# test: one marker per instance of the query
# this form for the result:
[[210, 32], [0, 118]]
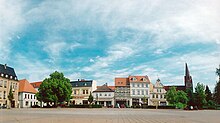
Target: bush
[[180, 105]]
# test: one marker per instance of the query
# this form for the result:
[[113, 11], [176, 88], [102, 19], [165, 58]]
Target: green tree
[[56, 89], [200, 95], [217, 88], [208, 93], [182, 97], [191, 97], [171, 96], [90, 99], [10, 96]]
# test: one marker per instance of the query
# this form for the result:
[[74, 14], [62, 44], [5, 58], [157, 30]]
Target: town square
[[113, 61], [108, 116]]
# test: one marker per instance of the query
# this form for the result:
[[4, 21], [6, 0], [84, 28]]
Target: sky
[[104, 39]]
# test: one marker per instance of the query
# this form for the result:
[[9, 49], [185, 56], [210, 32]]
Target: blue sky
[[101, 40]]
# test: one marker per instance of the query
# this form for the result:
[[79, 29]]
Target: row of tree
[[202, 96]]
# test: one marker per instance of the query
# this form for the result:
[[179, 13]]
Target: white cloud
[[11, 21], [55, 46]]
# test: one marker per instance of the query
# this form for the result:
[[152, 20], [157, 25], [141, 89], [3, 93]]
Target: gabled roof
[[121, 82], [4, 69], [25, 86], [103, 88], [139, 79], [36, 84]]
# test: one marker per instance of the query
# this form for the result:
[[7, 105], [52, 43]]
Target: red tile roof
[[139, 79], [25, 86], [121, 82], [36, 84]]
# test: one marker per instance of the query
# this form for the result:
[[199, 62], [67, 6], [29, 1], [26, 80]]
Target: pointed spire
[[187, 71]]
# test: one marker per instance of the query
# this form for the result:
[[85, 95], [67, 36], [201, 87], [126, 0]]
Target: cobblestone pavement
[[107, 116]]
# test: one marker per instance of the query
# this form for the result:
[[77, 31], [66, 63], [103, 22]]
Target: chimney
[[5, 66]]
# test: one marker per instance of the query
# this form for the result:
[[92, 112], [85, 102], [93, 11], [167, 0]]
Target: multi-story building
[[81, 90], [8, 79], [27, 93], [122, 92], [139, 89], [157, 95], [104, 95]]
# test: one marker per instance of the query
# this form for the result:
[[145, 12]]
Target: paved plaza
[[107, 116]]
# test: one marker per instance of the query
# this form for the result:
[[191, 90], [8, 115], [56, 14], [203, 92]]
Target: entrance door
[[13, 104]]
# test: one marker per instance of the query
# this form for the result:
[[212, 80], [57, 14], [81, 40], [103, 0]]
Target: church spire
[[187, 71]]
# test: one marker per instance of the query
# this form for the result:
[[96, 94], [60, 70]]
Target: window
[[0, 94], [146, 92], [100, 94], [105, 94], [28, 96], [1, 83], [25, 96], [87, 91], [26, 103], [147, 85], [133, 92], [109, 95], [31, 96], [84, 91], [74, 92], [156, 96], [138, 85], [161, 96], [4, 95], [153, 96], [142, 84], [5, 84], [133, 85], [142, 92], [138, 92]]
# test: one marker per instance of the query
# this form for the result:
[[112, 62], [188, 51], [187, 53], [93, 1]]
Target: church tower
[[188, 79]]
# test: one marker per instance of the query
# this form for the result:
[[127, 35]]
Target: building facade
[[139, 90], [104, 96], [27, 93], [8, 79], [157, 95], [122, 92], [81, 90]]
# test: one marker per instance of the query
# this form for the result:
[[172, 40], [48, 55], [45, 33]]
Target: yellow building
[[81, 90], [8, 79]]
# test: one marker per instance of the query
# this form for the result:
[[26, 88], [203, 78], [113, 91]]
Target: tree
[[10, 96], [171, 95], [56, 89], [208, 93], [217, 88], [182, 97], [90, 99], [200, 95], [191, 97]]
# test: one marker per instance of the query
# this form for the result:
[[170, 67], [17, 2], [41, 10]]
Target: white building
[[157, 95], [104, 96], [26, 96], [139, 89], [81, 90]]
